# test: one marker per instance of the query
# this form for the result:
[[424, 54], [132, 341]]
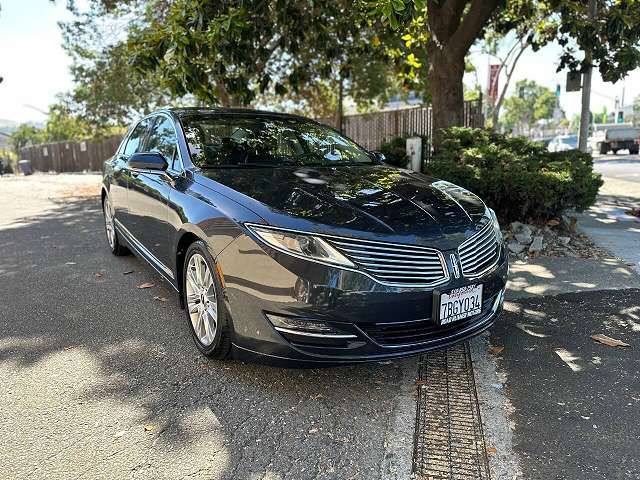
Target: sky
[[35, 67]]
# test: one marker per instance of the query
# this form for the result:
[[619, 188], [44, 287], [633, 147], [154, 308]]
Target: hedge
[[516, 177]]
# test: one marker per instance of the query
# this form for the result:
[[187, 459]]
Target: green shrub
[[519, 179], [395, 152]]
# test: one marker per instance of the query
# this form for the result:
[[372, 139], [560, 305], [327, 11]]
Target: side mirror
[[148, 161], [379, 156]]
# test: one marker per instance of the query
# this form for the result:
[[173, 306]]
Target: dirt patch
[[80, 191]]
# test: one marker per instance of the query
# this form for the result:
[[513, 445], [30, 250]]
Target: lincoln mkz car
[[290, 244]]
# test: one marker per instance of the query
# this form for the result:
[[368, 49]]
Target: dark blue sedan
[[287, 242]]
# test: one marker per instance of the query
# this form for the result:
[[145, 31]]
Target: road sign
[[574, 82]]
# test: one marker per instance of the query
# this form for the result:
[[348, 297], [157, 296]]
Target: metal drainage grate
[[449, 443]]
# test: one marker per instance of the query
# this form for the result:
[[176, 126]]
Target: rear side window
[[162, 138], [136, 139]]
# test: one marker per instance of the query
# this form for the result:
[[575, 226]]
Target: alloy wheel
[[109, 225], [202, 302]]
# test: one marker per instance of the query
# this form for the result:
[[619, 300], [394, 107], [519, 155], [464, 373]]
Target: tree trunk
[[447, 94], [453, 27]]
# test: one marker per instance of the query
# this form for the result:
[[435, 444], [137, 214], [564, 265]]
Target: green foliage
[[395, 152], [25, 135], [61, 126], [108, 92], [529, 103], [519, 179]]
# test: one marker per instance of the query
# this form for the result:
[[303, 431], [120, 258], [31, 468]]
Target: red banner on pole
[[494, 74]]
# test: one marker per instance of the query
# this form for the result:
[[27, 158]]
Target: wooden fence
[[370, 130], [71, 156]]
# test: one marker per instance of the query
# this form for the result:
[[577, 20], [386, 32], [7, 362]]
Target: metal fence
[[370, 130], [71, 156]]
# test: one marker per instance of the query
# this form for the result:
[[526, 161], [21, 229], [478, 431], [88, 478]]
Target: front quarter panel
[[212, 217]]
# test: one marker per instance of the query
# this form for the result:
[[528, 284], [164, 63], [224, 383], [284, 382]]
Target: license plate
[[460, 303]]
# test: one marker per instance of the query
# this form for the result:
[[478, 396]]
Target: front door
[[121, 175], [148, 198]]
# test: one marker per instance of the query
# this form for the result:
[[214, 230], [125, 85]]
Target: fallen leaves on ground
[[492, 450], [149, 427], [496, 350], [161, 299], [99, 274], [553, 223], [145, 285], [611, 342]]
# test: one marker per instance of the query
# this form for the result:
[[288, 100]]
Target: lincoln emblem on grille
[[454, 264]]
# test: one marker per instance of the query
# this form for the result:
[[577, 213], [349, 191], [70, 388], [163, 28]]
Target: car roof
[[188, 111]]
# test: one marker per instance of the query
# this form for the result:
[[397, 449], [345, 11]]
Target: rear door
[[148, 197]]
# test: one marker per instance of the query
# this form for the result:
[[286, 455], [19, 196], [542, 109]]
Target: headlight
[[301, 245], [496, 225]]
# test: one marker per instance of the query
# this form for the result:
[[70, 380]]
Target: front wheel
[[202, 295]]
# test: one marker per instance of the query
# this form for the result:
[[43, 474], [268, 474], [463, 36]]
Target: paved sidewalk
[[609, 224]]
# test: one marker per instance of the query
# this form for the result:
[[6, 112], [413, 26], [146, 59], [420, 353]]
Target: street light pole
[[586, 89]]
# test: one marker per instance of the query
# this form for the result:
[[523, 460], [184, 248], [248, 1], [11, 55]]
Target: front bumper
[[381, 322]]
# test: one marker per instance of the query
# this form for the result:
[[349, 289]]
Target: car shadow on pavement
[[99, 375]]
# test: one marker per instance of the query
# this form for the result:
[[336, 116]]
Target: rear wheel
[[110, 229], [202, 295], [634, 150]]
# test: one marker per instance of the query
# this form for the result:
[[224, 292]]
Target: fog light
[[305, 327]]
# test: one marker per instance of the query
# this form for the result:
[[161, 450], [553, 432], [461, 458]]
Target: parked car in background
[[616, 136], [562, 143], [288, 242]]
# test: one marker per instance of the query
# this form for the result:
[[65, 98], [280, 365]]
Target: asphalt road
[[575, 402], [621, 166], [100, 379]]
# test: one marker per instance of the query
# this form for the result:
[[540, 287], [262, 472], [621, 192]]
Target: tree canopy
[[530, 103], [242, 52]]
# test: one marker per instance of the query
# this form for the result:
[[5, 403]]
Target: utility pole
[[340, 107], [586, 88]]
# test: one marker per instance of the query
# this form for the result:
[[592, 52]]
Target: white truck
[[615, 136]]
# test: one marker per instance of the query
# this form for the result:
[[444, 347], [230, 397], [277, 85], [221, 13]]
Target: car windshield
[[241, 141]]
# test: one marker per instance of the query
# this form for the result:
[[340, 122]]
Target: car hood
[[376, 202]]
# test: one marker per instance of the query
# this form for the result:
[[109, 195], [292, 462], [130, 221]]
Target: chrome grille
[[479, 253], [394, 264]]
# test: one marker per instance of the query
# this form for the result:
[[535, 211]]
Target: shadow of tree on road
[[100, 376]]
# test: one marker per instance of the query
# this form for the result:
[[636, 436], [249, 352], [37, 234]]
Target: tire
[[604, 148], [205, 310], [634, 150], [615, 151], [113, 240]]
